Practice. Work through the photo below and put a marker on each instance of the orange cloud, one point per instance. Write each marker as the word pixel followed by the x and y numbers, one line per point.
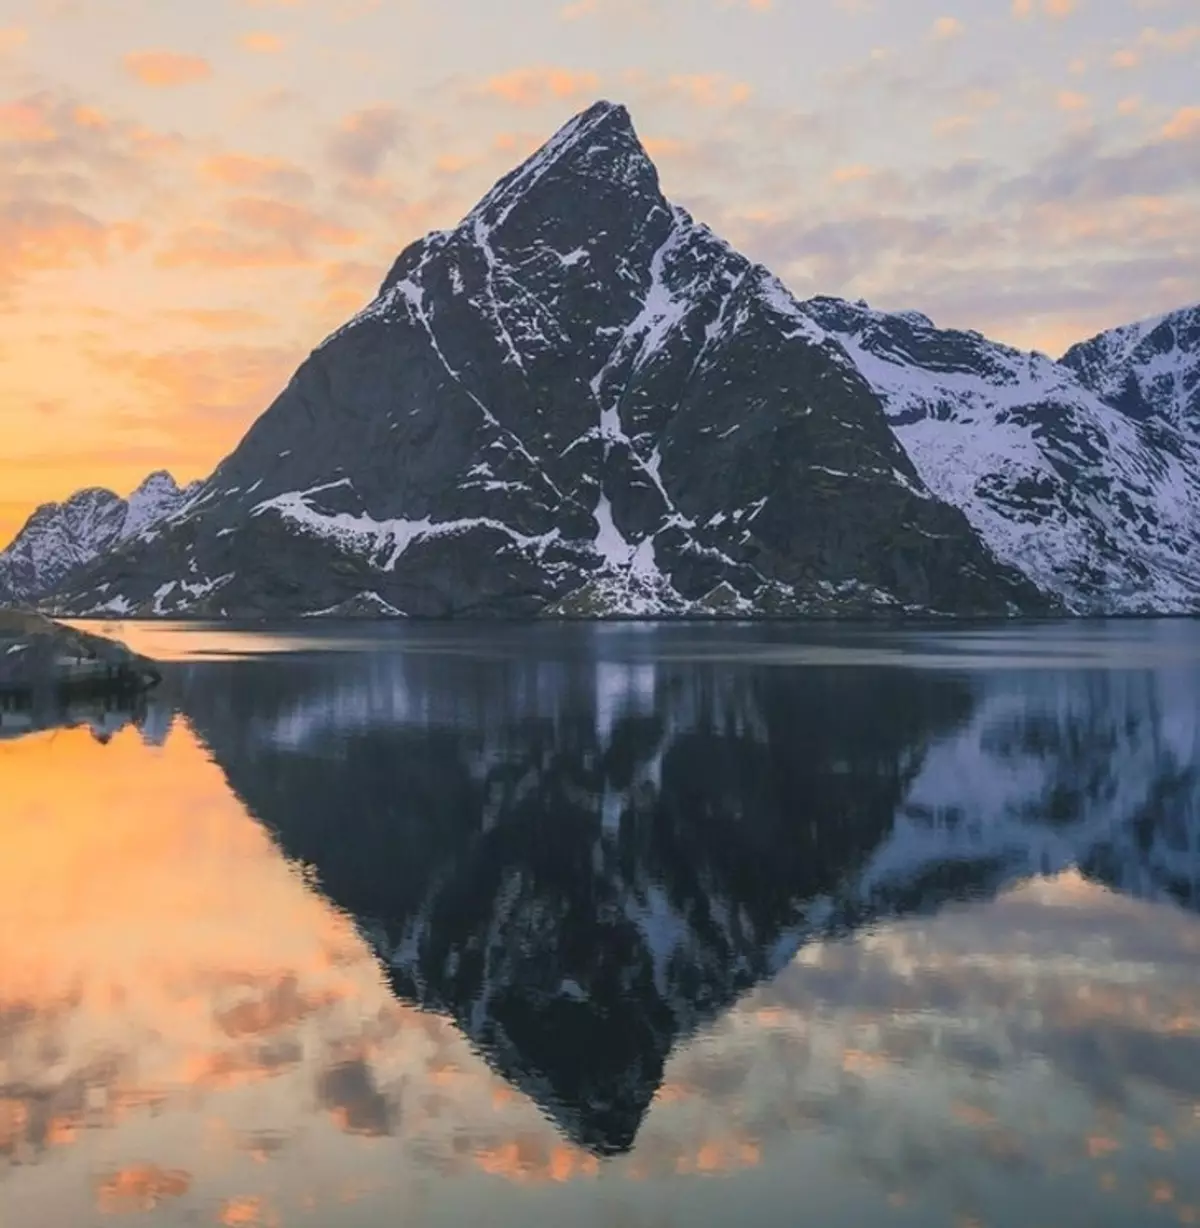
pixel 41 235
pixel 247 171
pixel 711 89
pixel 531 87
pixel 166 68
pixel 12 37
pixel 26 122
pixel 260 232
pixel 664 146
pixel 1130 105
pixel 1070 100
pixel 207 245
pixel 947 27
pixel 262 43
pixel 219 319
pixel 855 173
pixel 347 285
pixel 218 387
pixel 1051 8
pixel 1184 123
pixel 1171 42
pixel 452 164
pixel 293 222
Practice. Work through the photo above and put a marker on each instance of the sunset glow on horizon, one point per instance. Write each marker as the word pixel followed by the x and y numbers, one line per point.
pixel 192 196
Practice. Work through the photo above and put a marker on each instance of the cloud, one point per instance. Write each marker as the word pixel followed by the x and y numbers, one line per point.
pixel 710 89
pixel 1051 8
pixel 1183 125
pixel 166 68
pixel 364 139
pixel 947 27
pixel 531 87
pixel 292 222
pixel 954 125
pixel 854 173
pixel 258 232
pixel 25 121
pixel 1081 168
pixel 1071 100
pixel 346 285
pixel 229 383
pixel 262 42
pixel 49 130
pixel 272 174
pixel 1152 40
pixel 219 319
pixel 12 37
pixel 41 235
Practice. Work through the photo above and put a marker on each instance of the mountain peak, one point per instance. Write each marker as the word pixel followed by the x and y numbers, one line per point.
pixel 598 144
pixel 592 178
pixel 159 480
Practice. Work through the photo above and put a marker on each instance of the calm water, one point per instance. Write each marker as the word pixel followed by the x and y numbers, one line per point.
pixel 610 926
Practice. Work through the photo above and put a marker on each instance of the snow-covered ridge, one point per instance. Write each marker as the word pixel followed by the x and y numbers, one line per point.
pixel 1088 501
pixel 1147 369
pixel 59 538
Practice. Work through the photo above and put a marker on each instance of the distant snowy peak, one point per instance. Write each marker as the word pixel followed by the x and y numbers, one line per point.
pixel 1147 369
pixel 59 538
pixel 156 498
pixel 1088 501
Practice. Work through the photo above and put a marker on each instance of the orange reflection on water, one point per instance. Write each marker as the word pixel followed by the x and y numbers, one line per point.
pixel 530 1159
pixel 140 1187
pixel 164 971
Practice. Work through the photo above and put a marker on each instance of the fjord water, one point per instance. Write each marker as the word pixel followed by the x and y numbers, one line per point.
pixel 635 924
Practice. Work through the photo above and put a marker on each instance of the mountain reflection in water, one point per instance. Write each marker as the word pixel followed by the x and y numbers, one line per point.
pixel 402 919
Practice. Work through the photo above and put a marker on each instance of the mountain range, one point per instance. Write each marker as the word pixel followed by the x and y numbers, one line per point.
pixel 582 402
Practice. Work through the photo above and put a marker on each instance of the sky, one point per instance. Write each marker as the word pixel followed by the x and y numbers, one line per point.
pixel 192 195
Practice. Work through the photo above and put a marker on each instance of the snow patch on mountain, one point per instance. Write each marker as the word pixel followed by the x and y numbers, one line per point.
pixel 1087 501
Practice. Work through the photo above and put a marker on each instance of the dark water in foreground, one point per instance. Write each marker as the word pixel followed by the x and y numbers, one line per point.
pixel 611 926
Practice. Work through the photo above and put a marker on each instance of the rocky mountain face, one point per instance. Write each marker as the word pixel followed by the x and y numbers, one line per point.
pixel 59 538
pixel 581 402
pixel 1147 370
pixel 578 401
pixel 582 855
pixel 1092 493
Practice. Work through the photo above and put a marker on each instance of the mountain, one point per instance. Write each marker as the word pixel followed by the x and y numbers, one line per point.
pixel 578 401
pixel 1095 500
pixel 1147 369
pixel 61 537
pixel 582 855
